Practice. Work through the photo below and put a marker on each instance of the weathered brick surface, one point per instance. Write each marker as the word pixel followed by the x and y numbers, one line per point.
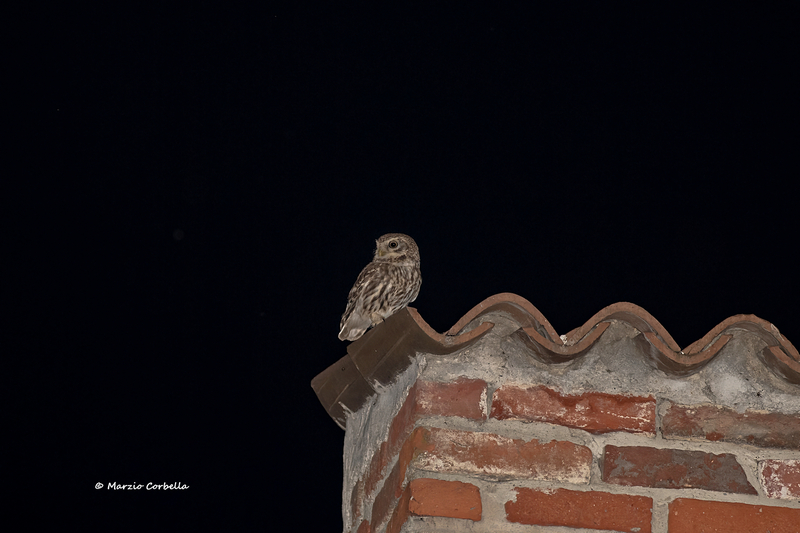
pixel 392 488
pixel 598 510
pixel 592 411
pixel 437 497
pixel 402 424
pixel 400 514
pixel 387 497
pixel 643 466
pixel 699 516
pixel 375 470
pixel 356 499
pixel 465 398
pixel 780 478
pixel 482 455
pixel 399 430
pixel 497 457
pixel 771 430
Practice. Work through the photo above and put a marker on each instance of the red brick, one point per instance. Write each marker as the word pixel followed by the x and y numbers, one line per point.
pixel 780 478
pixel 375 470
pixel 674 469
pixel 399 430
pixel 393 486
pixel 386 498
pixel 400 514
pixel 592 411
pixel 698 516
pixel 770 430
pixel 402 424
pixel 463 397
pixel 357 498
pixel 479 453
pixel 437 497
pixel 497 457
pixel 598 510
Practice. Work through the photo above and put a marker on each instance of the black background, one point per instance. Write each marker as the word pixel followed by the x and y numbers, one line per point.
pixel 206 183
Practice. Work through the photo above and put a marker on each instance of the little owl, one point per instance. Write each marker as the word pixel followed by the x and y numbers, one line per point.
pixel 386 285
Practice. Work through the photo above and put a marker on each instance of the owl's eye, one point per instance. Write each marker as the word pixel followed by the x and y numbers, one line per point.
pixel 393 244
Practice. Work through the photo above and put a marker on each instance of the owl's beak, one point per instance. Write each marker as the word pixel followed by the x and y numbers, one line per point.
pixel 381 253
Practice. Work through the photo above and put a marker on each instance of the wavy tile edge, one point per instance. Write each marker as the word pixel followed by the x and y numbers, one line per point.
pixel 383 352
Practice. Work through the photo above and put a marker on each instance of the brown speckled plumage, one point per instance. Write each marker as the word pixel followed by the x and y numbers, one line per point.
pixel 386 285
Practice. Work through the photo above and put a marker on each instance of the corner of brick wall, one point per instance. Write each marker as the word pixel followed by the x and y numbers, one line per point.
pixel 461 451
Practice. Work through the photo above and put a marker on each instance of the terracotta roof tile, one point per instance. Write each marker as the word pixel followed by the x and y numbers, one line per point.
pixel 382 353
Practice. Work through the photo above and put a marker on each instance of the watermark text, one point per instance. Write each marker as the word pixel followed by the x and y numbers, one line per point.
pixel 139 486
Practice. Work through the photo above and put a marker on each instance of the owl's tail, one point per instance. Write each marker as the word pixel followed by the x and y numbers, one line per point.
pixel 354 327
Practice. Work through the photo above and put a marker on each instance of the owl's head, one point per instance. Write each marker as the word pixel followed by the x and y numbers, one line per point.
pixel 396 247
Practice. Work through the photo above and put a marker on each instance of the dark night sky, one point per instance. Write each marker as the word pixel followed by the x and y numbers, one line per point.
pixel 216 179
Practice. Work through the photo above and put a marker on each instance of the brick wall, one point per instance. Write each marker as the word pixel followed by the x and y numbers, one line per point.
pixel 504 425
pixel 467 454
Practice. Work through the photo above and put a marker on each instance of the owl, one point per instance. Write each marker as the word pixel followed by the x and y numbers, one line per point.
pixel 386 285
